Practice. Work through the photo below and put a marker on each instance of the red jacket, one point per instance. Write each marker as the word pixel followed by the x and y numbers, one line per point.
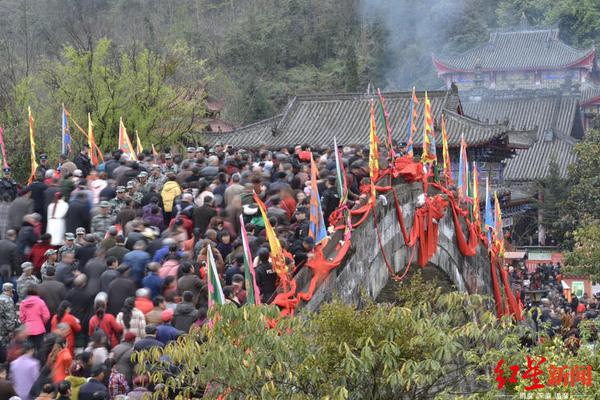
pixel 75 326
pixel 109 325
pixel 37 257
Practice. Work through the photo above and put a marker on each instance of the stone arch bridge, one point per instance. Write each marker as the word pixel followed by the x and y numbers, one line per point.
pixel 364 270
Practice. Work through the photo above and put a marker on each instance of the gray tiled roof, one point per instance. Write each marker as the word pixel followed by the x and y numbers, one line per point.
pixel 517 50
pixel 257 134
pixel 589 92
pixel 317 119
pixel 543 110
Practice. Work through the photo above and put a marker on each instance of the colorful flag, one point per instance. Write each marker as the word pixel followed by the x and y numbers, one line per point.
pixel 139 148
pixel 463 171
pixel 489 223
pixel 215 291
pixel 429 153
pixel 316 228
pixel 154 152
pixel 342 184
pixel 446 155
pixel 277 257
pixel 4 160
pixel 475 186
pixel 34 163
pixel 386 120
pixel 499 226
pixel 412 122
pixel 373 151
pixel 66 132
pixel 124 142
pixel 252 291
pixel 92 153
pixel 92 142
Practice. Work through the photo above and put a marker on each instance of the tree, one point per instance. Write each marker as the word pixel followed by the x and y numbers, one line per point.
pixel 552 193
pixel 584 175
pixel 584 259
pixel 111 83
pixel 440 346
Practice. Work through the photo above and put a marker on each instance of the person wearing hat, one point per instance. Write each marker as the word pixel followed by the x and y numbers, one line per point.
pixel 156 178
pixel 8 316
pixel 79 237
pixel 191 153
pixel 170 166
pixel 119 202
pixel 43 165
pixel 102 222
pixel 165 332
pixel 135 194
pixel 144 185
pixel 26 279
pixel 68 246
pixel 51 256
pixel 8 186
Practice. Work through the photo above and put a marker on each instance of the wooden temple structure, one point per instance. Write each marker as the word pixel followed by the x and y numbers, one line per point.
pixel 519 57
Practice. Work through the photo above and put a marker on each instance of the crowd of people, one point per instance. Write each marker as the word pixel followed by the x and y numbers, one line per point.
pixel 97 262
pixel 555 312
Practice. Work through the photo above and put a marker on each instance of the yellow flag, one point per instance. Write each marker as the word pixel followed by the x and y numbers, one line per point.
pixel 139 148
pixel 34 163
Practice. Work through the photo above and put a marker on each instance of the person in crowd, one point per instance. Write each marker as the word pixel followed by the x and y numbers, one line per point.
pixel 51 291
pixel 8 316
pixel 94 386
pixel 132 319
pixel 165 332
pixel 185 313
pixel 56 225
pixel 34 314
pixel 73 326
pixel 152 281
pixel 24 371
pixel 120 289
pixel 149 340
pixel 105 322
pixel 51 261
pixel 26 280
pixel 9 253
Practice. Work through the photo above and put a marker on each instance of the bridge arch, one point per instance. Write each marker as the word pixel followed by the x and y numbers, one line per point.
pixel 364 269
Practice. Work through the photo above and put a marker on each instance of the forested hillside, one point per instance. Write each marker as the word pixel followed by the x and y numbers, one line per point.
pixel 152 61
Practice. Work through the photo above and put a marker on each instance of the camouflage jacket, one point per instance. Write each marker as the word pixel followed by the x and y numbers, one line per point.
pixel 116 206
pixel 8 318
pixel 64 248
pixel 100 224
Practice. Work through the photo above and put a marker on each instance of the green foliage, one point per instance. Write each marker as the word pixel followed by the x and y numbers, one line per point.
pixel 584 197
pixel 111 84
pixel 584 260
pixel 553 192
pixel 378 352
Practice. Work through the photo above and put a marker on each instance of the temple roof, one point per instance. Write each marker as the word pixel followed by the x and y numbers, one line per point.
pixel 554 115
pixel 520 49
pixel 317 119
pixel 590 94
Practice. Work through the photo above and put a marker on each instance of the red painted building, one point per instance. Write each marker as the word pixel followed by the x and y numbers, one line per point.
pixel 522 57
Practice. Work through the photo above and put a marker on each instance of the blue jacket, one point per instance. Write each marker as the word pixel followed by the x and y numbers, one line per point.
pixel 153 283
pixel 137 260
pixel 167 333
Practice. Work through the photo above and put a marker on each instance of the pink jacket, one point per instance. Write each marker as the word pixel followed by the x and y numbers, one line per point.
pixel 34 314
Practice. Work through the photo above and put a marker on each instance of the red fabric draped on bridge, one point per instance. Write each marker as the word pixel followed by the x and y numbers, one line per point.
pixel 424 231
